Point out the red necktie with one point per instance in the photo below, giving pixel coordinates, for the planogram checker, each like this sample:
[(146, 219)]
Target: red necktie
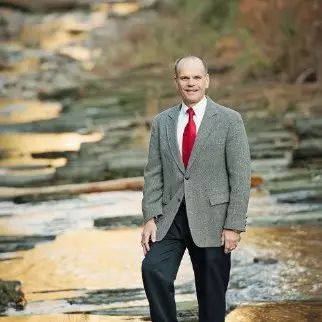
[(189, 136)]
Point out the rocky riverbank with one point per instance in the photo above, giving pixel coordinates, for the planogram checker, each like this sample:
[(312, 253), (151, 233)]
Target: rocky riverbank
[(83, 255), (78, 125)]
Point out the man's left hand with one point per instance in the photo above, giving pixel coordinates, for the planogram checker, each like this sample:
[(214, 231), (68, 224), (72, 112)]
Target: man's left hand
[(230, 240)]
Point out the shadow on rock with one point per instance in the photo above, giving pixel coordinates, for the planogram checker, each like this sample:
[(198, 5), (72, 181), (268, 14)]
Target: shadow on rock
[(11, 295), (16, 243)]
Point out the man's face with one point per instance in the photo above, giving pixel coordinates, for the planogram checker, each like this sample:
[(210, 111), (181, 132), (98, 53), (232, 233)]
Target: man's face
[(191, 81)]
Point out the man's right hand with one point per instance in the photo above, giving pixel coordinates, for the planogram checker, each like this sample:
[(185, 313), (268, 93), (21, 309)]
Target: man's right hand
[(149, 232)]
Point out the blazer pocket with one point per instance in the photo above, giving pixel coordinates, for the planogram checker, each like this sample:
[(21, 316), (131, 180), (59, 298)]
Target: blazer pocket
[(219, 198)]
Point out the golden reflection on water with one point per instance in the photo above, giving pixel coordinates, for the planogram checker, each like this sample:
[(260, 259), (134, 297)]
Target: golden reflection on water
[(278, 312), (27, 143), (96, 259), (19, 111), (90, 259)]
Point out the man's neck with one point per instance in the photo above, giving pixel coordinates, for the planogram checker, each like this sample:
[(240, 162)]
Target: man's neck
[(189, 104)]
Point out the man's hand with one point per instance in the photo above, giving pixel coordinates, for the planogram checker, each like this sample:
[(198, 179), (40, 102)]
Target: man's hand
[(230, 239), (149, 232)]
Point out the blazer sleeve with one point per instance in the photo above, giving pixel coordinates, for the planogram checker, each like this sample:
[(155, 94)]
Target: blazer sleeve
[(153, 178), (239, 171)]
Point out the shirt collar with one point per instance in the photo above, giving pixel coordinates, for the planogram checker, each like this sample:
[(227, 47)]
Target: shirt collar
[(198, 108)]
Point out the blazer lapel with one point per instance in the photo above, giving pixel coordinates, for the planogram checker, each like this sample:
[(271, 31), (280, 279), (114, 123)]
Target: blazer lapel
[(205, 129), (172, 122)]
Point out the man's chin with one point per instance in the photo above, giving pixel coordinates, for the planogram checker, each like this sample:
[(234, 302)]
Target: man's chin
[(192, 99)]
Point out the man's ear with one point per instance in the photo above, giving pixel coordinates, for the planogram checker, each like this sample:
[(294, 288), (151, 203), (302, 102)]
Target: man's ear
[(175, 81), (207, 81)]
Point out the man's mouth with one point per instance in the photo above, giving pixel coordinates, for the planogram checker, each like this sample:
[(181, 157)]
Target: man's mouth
[(191, 90)]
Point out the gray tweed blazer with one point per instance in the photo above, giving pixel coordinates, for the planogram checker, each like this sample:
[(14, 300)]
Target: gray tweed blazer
[(216, 183)]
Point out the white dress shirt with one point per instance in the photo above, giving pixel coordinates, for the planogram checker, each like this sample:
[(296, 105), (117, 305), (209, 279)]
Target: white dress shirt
[(183, 118)]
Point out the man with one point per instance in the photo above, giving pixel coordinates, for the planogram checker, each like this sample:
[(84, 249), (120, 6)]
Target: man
[(195, 196)]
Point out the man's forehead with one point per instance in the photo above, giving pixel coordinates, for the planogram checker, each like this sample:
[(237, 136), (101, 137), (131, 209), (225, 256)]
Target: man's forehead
[(191, 66), (190, 61)]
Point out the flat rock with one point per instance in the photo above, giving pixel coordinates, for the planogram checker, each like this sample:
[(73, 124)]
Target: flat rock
[(118, 222), (61, 87), (18, 178), (15, 243), (310, 218), (45, 5)]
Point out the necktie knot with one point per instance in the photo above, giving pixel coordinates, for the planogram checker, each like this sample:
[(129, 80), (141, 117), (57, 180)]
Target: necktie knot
[(191, 112)]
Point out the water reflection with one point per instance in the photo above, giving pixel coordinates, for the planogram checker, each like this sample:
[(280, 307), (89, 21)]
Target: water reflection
[(278, 312), (20, 147), (84, 259), (27, 143), (18, 111), (27, 162)]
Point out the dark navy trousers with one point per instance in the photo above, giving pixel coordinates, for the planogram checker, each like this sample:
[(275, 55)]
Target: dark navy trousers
[(160, 266)]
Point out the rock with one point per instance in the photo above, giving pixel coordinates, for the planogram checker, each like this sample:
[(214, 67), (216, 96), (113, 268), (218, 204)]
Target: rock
[(10, 23), (148, 3), (15, 243), (107, 296), (271, 137), (53, 154), (306, 197), (307, 128), (88, 170), (45, 5), (307, 149), (265, 260), (34, 198), (49, 192), (126, 163), (310, 218), (9, 54), (268, 154), (11, 295), (16, 178), (69, 122), (118, 222), (62, 86), (293, 185)]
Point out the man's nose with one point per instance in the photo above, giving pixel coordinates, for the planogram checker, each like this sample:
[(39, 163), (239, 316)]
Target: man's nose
[(191, 82)]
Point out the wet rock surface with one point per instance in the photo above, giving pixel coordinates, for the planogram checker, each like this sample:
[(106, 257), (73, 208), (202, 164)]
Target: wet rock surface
[(11, 295), (119, 222), (17, 243)]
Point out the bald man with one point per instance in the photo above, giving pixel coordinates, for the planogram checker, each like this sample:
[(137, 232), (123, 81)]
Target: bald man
[(195, 196)]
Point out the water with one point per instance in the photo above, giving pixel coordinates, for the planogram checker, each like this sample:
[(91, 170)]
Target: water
[(85, 269), (20, 147), (19, 111)]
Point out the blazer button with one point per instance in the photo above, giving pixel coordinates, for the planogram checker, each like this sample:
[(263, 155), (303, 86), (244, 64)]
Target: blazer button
[(179, 200), (186, 178)]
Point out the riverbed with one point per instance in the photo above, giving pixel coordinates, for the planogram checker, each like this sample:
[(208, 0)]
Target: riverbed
[(77, 267)]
